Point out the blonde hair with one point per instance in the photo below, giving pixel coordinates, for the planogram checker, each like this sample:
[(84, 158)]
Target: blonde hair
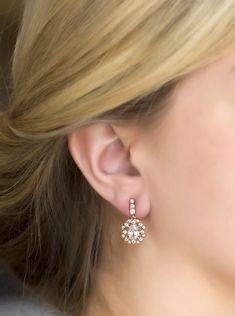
[(75, 63)]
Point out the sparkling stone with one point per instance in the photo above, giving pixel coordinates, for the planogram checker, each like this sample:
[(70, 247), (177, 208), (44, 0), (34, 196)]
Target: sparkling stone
[(132, 211), (133, 232)]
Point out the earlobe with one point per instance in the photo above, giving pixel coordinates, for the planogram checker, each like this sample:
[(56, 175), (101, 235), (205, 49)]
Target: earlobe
[(104, 159)]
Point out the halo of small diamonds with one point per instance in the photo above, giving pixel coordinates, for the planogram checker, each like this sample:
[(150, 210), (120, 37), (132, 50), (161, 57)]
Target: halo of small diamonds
[(133, 231)]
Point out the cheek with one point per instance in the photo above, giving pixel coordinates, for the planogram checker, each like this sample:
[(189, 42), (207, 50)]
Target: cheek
[(193, 184)]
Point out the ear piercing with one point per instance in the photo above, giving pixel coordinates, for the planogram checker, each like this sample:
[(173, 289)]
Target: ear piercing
[(133, 230)]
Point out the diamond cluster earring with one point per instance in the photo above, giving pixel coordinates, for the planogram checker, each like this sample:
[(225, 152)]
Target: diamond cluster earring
[(133, 230)]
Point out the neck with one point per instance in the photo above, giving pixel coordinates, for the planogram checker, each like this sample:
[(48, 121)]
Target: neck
[(148, 279)]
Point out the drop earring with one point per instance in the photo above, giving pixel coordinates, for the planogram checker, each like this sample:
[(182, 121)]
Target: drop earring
[(133, 230)]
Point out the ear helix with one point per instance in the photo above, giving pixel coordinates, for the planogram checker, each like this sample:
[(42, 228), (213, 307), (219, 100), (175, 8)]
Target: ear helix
[(133, 230)]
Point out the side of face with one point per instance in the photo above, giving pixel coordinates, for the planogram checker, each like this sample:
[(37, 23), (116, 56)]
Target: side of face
[(180, 170), (189, 167)]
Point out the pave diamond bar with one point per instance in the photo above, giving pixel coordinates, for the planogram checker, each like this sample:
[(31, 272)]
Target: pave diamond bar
[(132, 211), (132, 207)]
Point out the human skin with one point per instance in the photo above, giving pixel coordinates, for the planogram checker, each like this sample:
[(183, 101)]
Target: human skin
[(182, 174)]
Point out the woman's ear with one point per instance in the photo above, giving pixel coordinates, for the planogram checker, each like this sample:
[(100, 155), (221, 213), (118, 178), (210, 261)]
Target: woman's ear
[(104, 155)]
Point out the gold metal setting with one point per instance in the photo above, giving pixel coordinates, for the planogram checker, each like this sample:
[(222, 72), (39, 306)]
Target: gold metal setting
[(133, 230)]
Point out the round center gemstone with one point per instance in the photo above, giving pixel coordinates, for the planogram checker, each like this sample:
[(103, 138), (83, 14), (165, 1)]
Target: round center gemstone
[(133, 232)]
